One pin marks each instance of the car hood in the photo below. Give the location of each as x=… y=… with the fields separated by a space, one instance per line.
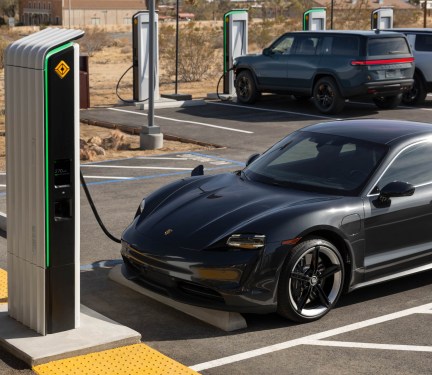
x=198 y=216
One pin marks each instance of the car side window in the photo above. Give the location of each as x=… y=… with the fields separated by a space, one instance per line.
x=284 y=45
x=423 y=43
x=413 y=165
x=306 y=45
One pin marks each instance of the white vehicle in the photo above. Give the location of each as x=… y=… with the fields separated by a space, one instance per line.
x=421 y=45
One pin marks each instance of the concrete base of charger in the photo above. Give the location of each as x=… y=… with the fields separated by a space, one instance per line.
x=96 y=333
x=227 y=321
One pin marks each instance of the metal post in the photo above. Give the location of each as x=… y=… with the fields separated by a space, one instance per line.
x=177 y=47
x=150 y=136
x=424 y=13
x=331 y=15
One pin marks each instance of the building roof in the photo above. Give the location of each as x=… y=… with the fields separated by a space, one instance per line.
x=106 y=4
x=371 y=4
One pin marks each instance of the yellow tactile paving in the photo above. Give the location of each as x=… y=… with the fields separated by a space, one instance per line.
x=3 y=286
x=136 y=359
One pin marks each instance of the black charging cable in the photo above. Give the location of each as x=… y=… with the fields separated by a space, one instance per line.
x=217 y=87
x=93 y=207
x=117 y=90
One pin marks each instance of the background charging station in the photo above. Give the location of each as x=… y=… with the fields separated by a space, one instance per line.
x=140 y=47
x=314 y=19
x=382 y=18
x=235 y=31
x=43 y=200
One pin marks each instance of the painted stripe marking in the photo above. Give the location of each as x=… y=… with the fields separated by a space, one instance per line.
x=3 y=287
x=305 y=340
x=274 y=110
x=108 y=177
x=185 y=121
x=367 y=345
x=133 y=167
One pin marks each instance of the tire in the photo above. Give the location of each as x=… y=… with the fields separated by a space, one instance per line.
x=309 y=289
x=245 y=86
x=326 y=95
x=388 y=102
x=417 y=94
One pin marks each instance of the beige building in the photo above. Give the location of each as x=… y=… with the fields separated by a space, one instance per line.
x=80 y=13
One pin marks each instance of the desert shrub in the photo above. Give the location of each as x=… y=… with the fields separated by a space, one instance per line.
x=196 y=52
x=3 y=45
x=94 y=40
x=262 y=34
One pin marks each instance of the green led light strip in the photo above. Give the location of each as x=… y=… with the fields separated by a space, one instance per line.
x=47 y=200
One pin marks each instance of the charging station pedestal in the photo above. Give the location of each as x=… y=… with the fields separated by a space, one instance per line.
x=140 y=46
x=43 y=201
x=235 y=32
x=382 y=18
x=314 y=19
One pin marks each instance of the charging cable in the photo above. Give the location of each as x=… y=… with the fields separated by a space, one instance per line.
x=93 y=207
x=217 y=87
x=117 y=90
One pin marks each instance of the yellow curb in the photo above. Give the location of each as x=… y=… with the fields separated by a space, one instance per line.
x=138 y=359
x=3 y=286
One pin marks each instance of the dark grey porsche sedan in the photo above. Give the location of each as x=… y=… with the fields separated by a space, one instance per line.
x=330 y=208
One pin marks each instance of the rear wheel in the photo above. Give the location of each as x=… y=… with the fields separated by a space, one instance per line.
x=327 y=98
x=388 y=102
x=246 y=90
x=417 y=94
x=311 y=281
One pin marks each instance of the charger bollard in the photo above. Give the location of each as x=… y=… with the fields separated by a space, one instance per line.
x=314 y=19
x=141 y=63
x=42 y=148
x=382 y=18
x=235 y=31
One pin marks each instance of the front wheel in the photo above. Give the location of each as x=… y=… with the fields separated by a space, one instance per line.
x=388 y=102
x=311 y=281
x=326 y=95
x=246 y=90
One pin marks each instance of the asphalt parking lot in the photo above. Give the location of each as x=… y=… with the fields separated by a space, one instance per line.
x=384 y=329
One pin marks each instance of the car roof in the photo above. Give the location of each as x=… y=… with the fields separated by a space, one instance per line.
x=412 y=30
x=373 y=130
x=369 y=33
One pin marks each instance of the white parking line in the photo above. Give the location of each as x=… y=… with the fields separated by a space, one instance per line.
x=133 y=167
x=367 y=345
x=275 y=110
x=158 y=158
x=311 y=338
x=109 y=177
x=185 y=121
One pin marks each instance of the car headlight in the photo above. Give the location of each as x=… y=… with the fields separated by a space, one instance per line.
x=246 y=241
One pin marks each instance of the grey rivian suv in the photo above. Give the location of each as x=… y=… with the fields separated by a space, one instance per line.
x=330 y=67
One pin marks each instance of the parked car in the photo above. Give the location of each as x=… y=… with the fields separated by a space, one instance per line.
x=330 y=208
x=330 y=67
x=421 y=45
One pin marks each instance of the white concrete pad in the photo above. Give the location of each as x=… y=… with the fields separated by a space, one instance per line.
x=96 y=333
x=227 y=321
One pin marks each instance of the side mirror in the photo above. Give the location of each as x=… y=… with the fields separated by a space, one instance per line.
x=252 y=158
x=396 y=189
x=266 y=52
x=198 y=171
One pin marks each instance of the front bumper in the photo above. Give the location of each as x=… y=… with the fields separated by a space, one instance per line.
x=229 y=281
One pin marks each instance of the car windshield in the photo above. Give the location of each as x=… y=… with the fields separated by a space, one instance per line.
x=319 y=162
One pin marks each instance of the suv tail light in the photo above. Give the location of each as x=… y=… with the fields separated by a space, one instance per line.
x=383 y=61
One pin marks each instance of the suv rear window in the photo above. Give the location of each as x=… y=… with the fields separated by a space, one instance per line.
x=387 y=46
x=423 y=43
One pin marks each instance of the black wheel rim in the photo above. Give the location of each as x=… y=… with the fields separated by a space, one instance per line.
x=325 y=95
x=243 y=87
x=315 y=281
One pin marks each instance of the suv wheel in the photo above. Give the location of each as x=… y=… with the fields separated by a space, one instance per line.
x=417 y=94
x=327 y=98
x=387 y=102
x=245 y=88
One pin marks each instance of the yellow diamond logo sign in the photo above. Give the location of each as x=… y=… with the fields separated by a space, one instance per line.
x=62 y=69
